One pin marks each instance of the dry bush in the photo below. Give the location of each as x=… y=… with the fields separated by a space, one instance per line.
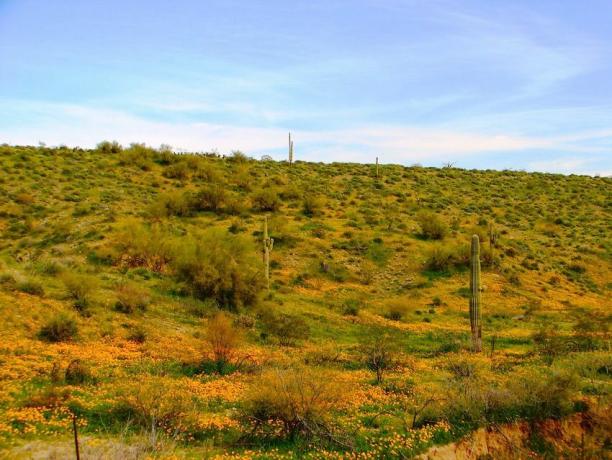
x=379 y=354
x=157 y=402
x=77 y=372
x=224 y=339
x=300 y=400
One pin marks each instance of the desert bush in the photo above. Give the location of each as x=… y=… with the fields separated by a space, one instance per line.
x=299 y=400
x=60 y=328
x=107 y=147
x=138 y=245
x=224 y=339
x=210 y=197
x=172 y=204
x=221 y=266
x=77 y=372
x=432 y=227
x=157 y=402
x=266 y=199
x=395 y=310
x=131 y=297
x=178 y=170
x=137 y=334
x=379 y=354
x=313 y=204
x=30 y=286
x=442 y=257
x=286 y=328
x=80 y=288
x=138 y=155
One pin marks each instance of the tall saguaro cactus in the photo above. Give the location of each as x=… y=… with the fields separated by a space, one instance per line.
x=290 y=150
x=376 y=167
x=268 y=243
x=475 y=313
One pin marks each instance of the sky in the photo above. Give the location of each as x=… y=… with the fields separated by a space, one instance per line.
x=486 y=84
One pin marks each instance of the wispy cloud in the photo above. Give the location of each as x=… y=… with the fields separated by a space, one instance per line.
x=84 y=126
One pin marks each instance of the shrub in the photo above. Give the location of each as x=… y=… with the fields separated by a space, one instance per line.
x=224 y=338
x=379 y=354
x=221 y=266
x=31 y=286
x=137 y=334
x=80 y=288
x=107 y=147
x=178 y=170
x=442 y=257
x=77 y=372
x=138 y=155
x=286 y=328
x=432 y=227
x=157 y=402
x=298 y=400
x=171 y=204
x=139 y=245
x=211 y=197
x=131 y=297
x=313 y=204
x=266 y=199
x=61 y=328
x=395 y=310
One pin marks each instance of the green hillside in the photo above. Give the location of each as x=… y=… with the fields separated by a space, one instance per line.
x=133 y=293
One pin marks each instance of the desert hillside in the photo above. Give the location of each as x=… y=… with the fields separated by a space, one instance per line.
x=134 y=297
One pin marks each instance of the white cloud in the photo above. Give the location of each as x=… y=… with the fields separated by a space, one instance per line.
x=76 y=125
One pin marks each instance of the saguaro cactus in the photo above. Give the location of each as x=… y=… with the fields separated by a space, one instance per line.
x=475 y=313
x=290 y=150
x=376 y=167
x=268 y=243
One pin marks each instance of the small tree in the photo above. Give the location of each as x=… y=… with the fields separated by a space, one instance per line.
x=379 y=355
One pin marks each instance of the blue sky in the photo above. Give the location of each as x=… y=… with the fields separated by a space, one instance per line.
x=498 y=84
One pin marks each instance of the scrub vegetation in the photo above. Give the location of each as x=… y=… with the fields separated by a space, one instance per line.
x=134 y=297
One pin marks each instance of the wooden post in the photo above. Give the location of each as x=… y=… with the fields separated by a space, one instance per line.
x=76 y=436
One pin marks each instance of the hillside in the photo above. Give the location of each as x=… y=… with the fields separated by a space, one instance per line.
x=116 y=263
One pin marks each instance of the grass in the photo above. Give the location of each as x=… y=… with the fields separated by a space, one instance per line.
x=109 y=247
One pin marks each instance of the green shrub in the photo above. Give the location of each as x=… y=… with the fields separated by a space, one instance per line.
x=61 y=328
x=211 y=197
x=221 y=266
x=107 y=147
x=178 y=170
x=31 y=286
x=286 y=328
x=80 y=288
x=266 y=199
x=131 y=297
x=313 y=204
x=432 y=227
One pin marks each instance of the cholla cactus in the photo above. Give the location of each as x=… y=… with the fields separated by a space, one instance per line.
x=290 y=150
x=475 y=313
x=268 y=243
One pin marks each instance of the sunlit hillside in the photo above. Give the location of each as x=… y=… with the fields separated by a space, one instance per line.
x=134 y=298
